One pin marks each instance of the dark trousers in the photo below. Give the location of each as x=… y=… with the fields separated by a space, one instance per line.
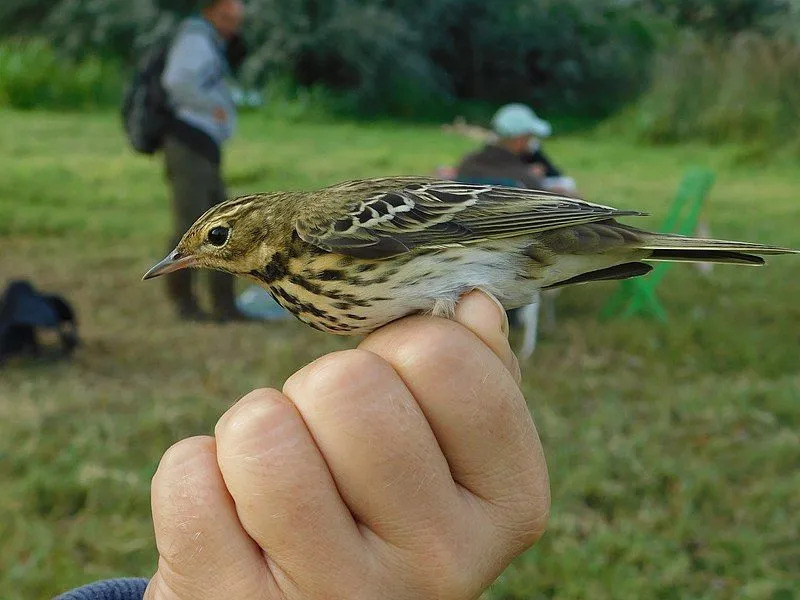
x=196 y=185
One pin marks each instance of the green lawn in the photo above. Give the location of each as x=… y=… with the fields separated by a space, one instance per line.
x=674 y=450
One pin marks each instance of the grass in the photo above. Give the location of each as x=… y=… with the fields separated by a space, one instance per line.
x=742 y=88
x=674 y=450
x=34 y=75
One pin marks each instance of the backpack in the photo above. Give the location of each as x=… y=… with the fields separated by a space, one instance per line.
x=146 y=113
x=23 y=310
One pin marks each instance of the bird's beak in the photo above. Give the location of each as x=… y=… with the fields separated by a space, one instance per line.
x=173 y=262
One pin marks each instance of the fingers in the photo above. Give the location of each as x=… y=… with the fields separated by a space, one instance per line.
x=484 y=316
x=376 y=442
x=285 y=496
x=416 y=437
x=203 y=551
x=472 y=403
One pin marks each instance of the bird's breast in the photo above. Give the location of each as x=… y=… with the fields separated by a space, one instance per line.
x=349 y=296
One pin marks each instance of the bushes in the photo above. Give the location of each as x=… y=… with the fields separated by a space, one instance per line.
x=416 y=59
x=389 y=57
x=742 y=89
x=32 y=75
x=714 y=18
x=717 y=79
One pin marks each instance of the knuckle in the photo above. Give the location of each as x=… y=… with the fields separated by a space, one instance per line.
x=181 y=455
x=259 y=409
x=259 y=395
x=448 y=569
x=441 y=562
x=533 y=521
x=339 y=372
x=524 y=519
x=436 y=345
x=526 y=534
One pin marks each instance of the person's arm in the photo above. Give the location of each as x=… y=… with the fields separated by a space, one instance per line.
x=539 y=157
x=191 y=74
x=530 y=179
x=111 y=589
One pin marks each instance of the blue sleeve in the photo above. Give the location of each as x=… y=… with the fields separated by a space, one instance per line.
x=111 y=589
x=192 y=74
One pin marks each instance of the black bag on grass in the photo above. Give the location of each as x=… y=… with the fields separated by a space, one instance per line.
x=23 y=311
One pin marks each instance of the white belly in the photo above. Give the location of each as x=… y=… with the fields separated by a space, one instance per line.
x=428 y=283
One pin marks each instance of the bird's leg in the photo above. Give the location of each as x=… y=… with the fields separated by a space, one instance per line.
x=530 y=320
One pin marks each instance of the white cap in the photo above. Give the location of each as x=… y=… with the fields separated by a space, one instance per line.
x=515 y=120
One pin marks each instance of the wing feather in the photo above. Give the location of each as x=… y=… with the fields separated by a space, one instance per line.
x=386 y=217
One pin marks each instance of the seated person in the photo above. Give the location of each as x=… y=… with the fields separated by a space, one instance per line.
x=507 y=159
x=513 y=154
x=553 y=179
x=514 y=126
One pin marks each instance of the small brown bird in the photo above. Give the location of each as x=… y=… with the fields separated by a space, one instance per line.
x=357 y=255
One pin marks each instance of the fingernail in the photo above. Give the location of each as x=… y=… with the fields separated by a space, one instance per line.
x=503 y=313
x=503 y=316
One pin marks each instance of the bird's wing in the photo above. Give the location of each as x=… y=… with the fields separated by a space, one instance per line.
x=389 y=217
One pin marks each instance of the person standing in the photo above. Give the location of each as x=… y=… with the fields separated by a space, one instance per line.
x=195 y=79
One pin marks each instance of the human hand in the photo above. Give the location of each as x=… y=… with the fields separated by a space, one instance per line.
x=409 y=468
x=538 y=170
x=560 y=189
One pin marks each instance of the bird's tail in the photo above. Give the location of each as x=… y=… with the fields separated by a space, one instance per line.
x=671 y=247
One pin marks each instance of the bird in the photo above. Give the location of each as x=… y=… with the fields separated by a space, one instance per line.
x=354 y=256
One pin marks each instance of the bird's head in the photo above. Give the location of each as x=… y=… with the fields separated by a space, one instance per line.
x=237 y=236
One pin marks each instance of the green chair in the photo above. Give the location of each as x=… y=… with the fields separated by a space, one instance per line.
x=638 y=296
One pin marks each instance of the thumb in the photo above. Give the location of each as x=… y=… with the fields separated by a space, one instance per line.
x=483 y=315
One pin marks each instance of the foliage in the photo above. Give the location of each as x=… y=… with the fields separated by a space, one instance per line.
x=18 y=17
x=368 y=54
x=434 y=59
x=402 y=58
x=724 y=17
x=111 y=27
x=409 y=59
x=673 y=450
x=32 y=75
x=745 y=88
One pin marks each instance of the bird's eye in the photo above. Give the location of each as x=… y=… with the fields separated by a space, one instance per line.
x=217 y=236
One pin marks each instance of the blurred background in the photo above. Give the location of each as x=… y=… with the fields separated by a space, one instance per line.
x=673 y=443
